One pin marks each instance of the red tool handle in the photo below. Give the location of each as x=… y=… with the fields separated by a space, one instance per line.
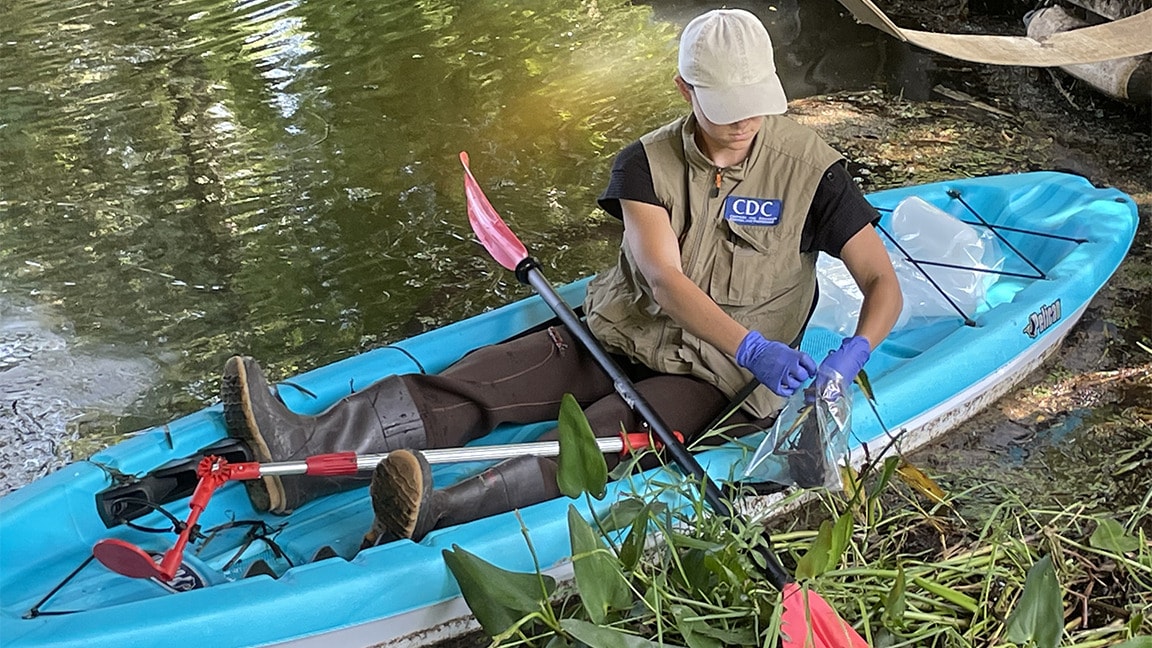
x=335 y=463
x=324 y=465
x=213 y=471
x=640 y=440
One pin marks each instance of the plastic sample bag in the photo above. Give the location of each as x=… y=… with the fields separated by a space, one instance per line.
x=926 y=233
x=809 y=442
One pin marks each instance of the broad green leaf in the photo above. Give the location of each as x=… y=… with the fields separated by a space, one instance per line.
x=632 y=548
x=1110 y=536
x=895 y=603
x=599 y=580
x=704 y=634
x=707 y=569
x=873 y=506
x=692 y=628
x=1135 y=623
x=581 y=465
x=622 y=513
x=599 y=637
x=841 y=535
x=815 y=561
x=694 y=573
x=1039 y=616
x=558 y=641
x=733 y=560
x=497 y=597
x=889 y=469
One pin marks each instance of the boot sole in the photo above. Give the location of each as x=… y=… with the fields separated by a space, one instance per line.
x=398 y=488
x=266 y=493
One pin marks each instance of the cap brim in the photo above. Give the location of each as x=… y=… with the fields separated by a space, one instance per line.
x=729 y=105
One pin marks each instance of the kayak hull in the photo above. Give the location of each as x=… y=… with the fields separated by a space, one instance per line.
x=927 y=380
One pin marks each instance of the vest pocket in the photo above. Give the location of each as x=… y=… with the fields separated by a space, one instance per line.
x=740 y=276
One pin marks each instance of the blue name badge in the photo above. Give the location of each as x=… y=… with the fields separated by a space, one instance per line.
x=752 y=211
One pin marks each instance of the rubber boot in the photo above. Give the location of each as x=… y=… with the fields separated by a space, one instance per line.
x=378 y=419
x=407 y=506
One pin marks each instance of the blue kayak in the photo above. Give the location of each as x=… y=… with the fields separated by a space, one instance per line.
x=256 y=579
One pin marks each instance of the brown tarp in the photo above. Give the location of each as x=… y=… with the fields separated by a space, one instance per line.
x=1131 y=36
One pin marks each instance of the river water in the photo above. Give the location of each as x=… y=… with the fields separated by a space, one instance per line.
x=181 y=181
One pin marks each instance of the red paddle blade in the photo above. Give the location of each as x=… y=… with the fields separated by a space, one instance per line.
x=809 y=622
x=126 y=559
x=494 y=235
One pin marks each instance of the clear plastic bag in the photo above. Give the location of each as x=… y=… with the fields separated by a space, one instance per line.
x=809 y=442
x=926 y=233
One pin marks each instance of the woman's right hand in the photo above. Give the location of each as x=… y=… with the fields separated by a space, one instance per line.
x=776 y=365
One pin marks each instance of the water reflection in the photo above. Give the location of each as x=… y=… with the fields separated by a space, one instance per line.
x=188 y=180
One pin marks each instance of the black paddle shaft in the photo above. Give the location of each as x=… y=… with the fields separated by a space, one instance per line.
x=527 y=272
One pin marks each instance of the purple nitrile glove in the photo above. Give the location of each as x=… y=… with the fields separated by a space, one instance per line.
x=845 y=362
x=776 y=365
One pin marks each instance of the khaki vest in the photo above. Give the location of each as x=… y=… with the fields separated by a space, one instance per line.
x=755 y=273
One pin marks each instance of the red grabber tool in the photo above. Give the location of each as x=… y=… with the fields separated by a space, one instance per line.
x=127 y=559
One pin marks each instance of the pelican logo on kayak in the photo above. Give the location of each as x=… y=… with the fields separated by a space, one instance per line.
x=1043 y=320
x=185 y=580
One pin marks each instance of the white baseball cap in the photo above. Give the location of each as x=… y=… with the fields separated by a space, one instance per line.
x=726 y=55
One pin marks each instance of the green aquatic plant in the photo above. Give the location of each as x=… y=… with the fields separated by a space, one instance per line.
x=645 y=573
x=907 y=565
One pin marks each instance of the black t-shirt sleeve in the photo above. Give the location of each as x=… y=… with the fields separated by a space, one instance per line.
x=839 y=210
x=631 y=179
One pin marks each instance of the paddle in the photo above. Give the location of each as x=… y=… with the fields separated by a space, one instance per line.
x=807 y=620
